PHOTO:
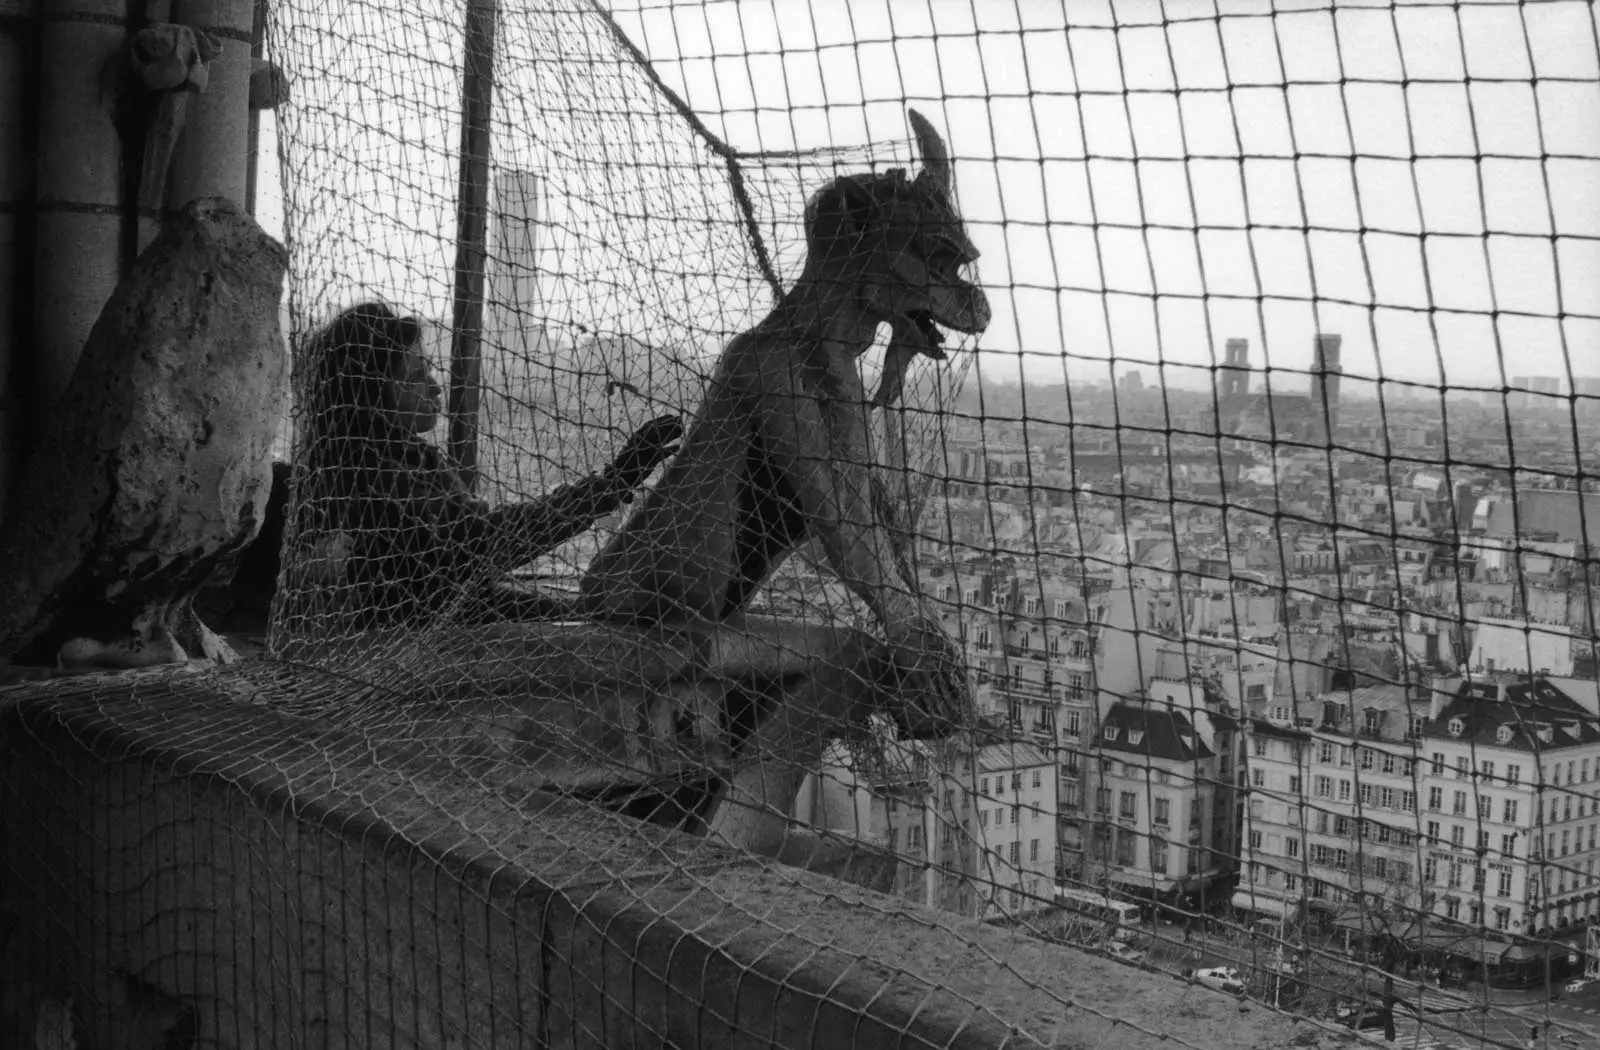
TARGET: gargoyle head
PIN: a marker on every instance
(901, 244)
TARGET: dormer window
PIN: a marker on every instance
(1546, 734)
(1135, 736)
(1503, 735)
(1111, 732)
(1456, 727)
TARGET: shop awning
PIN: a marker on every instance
(1244, 900)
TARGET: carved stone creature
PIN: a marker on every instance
(155, 465)
(779, 453)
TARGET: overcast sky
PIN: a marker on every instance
(1098, 155)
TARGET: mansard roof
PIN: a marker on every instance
(1523, 715)
(1150, 729)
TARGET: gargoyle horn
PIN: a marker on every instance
(935, 157)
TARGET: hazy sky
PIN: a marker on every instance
(1098, 155)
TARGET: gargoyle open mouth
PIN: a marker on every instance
(931, 332)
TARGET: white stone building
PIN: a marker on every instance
(1464, 819)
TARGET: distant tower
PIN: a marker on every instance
(1234, 378)
(514, 248)
(1325, 374)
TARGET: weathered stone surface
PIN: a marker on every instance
(155, 464)
(306, 884)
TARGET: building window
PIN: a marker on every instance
(1509, 814)
(1015, 848)
(1069, 794)
(1435, 799)
(1433, 830)
(1408, 801)
(1291, 847)
(1323, 786)
(1033, 849)
(1037, 778)
(1389, 763)
(1367, 757)
(1128, 806)
(1111, 732)
(1260, 746)
(1461, 767)
(1458, 836)
(1503, 887)
(1438, 763)
(983, 818)
(1102, 800)
(1258, 777)
(1163, 811)
(1485, 807)
(1294, 786)
(1125, 850)
(1344, 791)
(1325, 753)
(1452, 908)
(1158, 856)
(1513, 774)
(1459, 804)
(1486, 770)
(1502, 918)
(1255, 840)
(1508, 845)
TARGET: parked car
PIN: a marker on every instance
(1578, 984)
(1370, 1017)
(1222, 978)
(1127, 953)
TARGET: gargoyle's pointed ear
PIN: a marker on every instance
(935, 158)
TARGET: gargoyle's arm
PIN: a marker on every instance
(821, 445)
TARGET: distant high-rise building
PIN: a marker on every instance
(513, 279)
(1326, 371)
(1132, 382)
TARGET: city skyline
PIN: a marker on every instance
(1144, 194)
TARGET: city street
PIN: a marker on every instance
(1450, 1019)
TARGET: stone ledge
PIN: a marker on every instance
(299, 882)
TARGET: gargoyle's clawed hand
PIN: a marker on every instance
(929, 681)
(646, 449)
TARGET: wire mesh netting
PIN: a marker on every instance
(1117, 473)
